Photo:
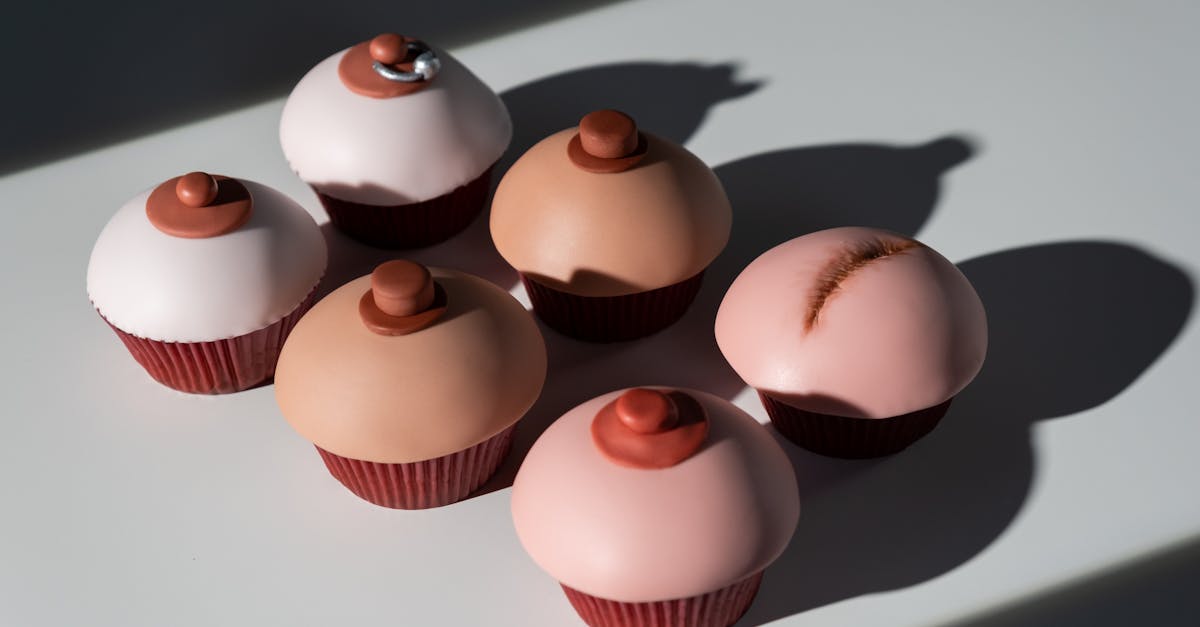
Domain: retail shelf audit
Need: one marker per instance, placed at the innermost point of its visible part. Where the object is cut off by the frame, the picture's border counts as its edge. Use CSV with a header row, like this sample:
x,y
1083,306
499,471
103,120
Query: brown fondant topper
x,y
198,205
608,141
403,299
658,223
387,66
646,428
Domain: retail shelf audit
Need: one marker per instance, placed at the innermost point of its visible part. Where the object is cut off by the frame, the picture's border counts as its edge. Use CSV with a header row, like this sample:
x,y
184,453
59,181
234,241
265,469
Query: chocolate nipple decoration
x,y
608,141
388,66
199,205
403,299
646,428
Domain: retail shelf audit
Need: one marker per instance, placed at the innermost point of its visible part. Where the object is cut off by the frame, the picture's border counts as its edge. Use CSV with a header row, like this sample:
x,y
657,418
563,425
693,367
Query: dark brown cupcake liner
x,y
851,438
421,485
413,225
218,367
612,318
715,609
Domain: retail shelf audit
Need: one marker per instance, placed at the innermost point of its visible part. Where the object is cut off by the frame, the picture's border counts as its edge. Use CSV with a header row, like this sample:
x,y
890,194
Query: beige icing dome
x,y
417,392
660,221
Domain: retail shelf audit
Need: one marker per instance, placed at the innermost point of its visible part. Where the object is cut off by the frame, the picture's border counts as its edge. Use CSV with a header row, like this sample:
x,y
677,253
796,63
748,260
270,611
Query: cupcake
x,y
656,506
397,138
610,228
203,277
410,381
856,339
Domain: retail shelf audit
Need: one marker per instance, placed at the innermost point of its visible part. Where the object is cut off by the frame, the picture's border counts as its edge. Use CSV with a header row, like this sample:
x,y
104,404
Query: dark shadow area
x,y
776,196
670,100
136,68
471,251
1071,325
1159,590
783,194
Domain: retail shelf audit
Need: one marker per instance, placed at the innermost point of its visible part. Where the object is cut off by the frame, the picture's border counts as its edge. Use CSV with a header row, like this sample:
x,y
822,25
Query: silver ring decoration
x,y
425,66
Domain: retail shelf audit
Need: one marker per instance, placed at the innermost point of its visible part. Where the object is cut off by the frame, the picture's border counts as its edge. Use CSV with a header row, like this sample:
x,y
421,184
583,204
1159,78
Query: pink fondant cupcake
x,y
397,138
610,228
656,507
856,339
203,277
410,382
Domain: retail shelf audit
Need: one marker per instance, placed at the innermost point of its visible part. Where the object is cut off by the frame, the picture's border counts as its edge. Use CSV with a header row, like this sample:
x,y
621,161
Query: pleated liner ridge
x,y
413,225
715,609
851,438
217,367
612,318
420,485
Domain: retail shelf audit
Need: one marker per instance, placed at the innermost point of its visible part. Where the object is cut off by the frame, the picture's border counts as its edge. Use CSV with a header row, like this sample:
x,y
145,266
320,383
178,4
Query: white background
x,y
1065,186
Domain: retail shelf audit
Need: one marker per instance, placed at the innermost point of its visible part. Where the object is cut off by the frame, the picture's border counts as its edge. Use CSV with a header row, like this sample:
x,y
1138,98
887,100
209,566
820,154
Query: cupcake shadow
x,y
670,100
776,196
1071,325
783,194
470,251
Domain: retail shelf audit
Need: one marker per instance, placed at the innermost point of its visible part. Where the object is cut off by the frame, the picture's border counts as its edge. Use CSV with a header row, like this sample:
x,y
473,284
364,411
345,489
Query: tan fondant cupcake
x,y
410,382
611,228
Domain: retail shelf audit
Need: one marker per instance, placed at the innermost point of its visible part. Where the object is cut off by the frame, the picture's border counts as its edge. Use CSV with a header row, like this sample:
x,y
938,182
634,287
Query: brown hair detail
x,y
851,260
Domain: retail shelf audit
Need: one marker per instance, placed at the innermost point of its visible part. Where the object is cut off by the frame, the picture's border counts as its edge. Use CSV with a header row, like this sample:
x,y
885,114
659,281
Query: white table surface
x,y
1065,185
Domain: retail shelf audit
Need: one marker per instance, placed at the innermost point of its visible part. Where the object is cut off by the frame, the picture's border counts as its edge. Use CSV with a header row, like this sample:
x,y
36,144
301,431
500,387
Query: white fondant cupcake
x,y
398,140
204,276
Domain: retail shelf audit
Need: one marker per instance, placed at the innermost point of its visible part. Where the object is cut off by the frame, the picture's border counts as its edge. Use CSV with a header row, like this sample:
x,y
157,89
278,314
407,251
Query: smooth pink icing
x,y
637,535
902,333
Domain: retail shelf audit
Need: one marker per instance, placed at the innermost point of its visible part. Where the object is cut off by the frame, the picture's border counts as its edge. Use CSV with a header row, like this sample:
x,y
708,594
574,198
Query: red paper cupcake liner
x,y
715,609
218,367
612,318
421,485
413,225
851,438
